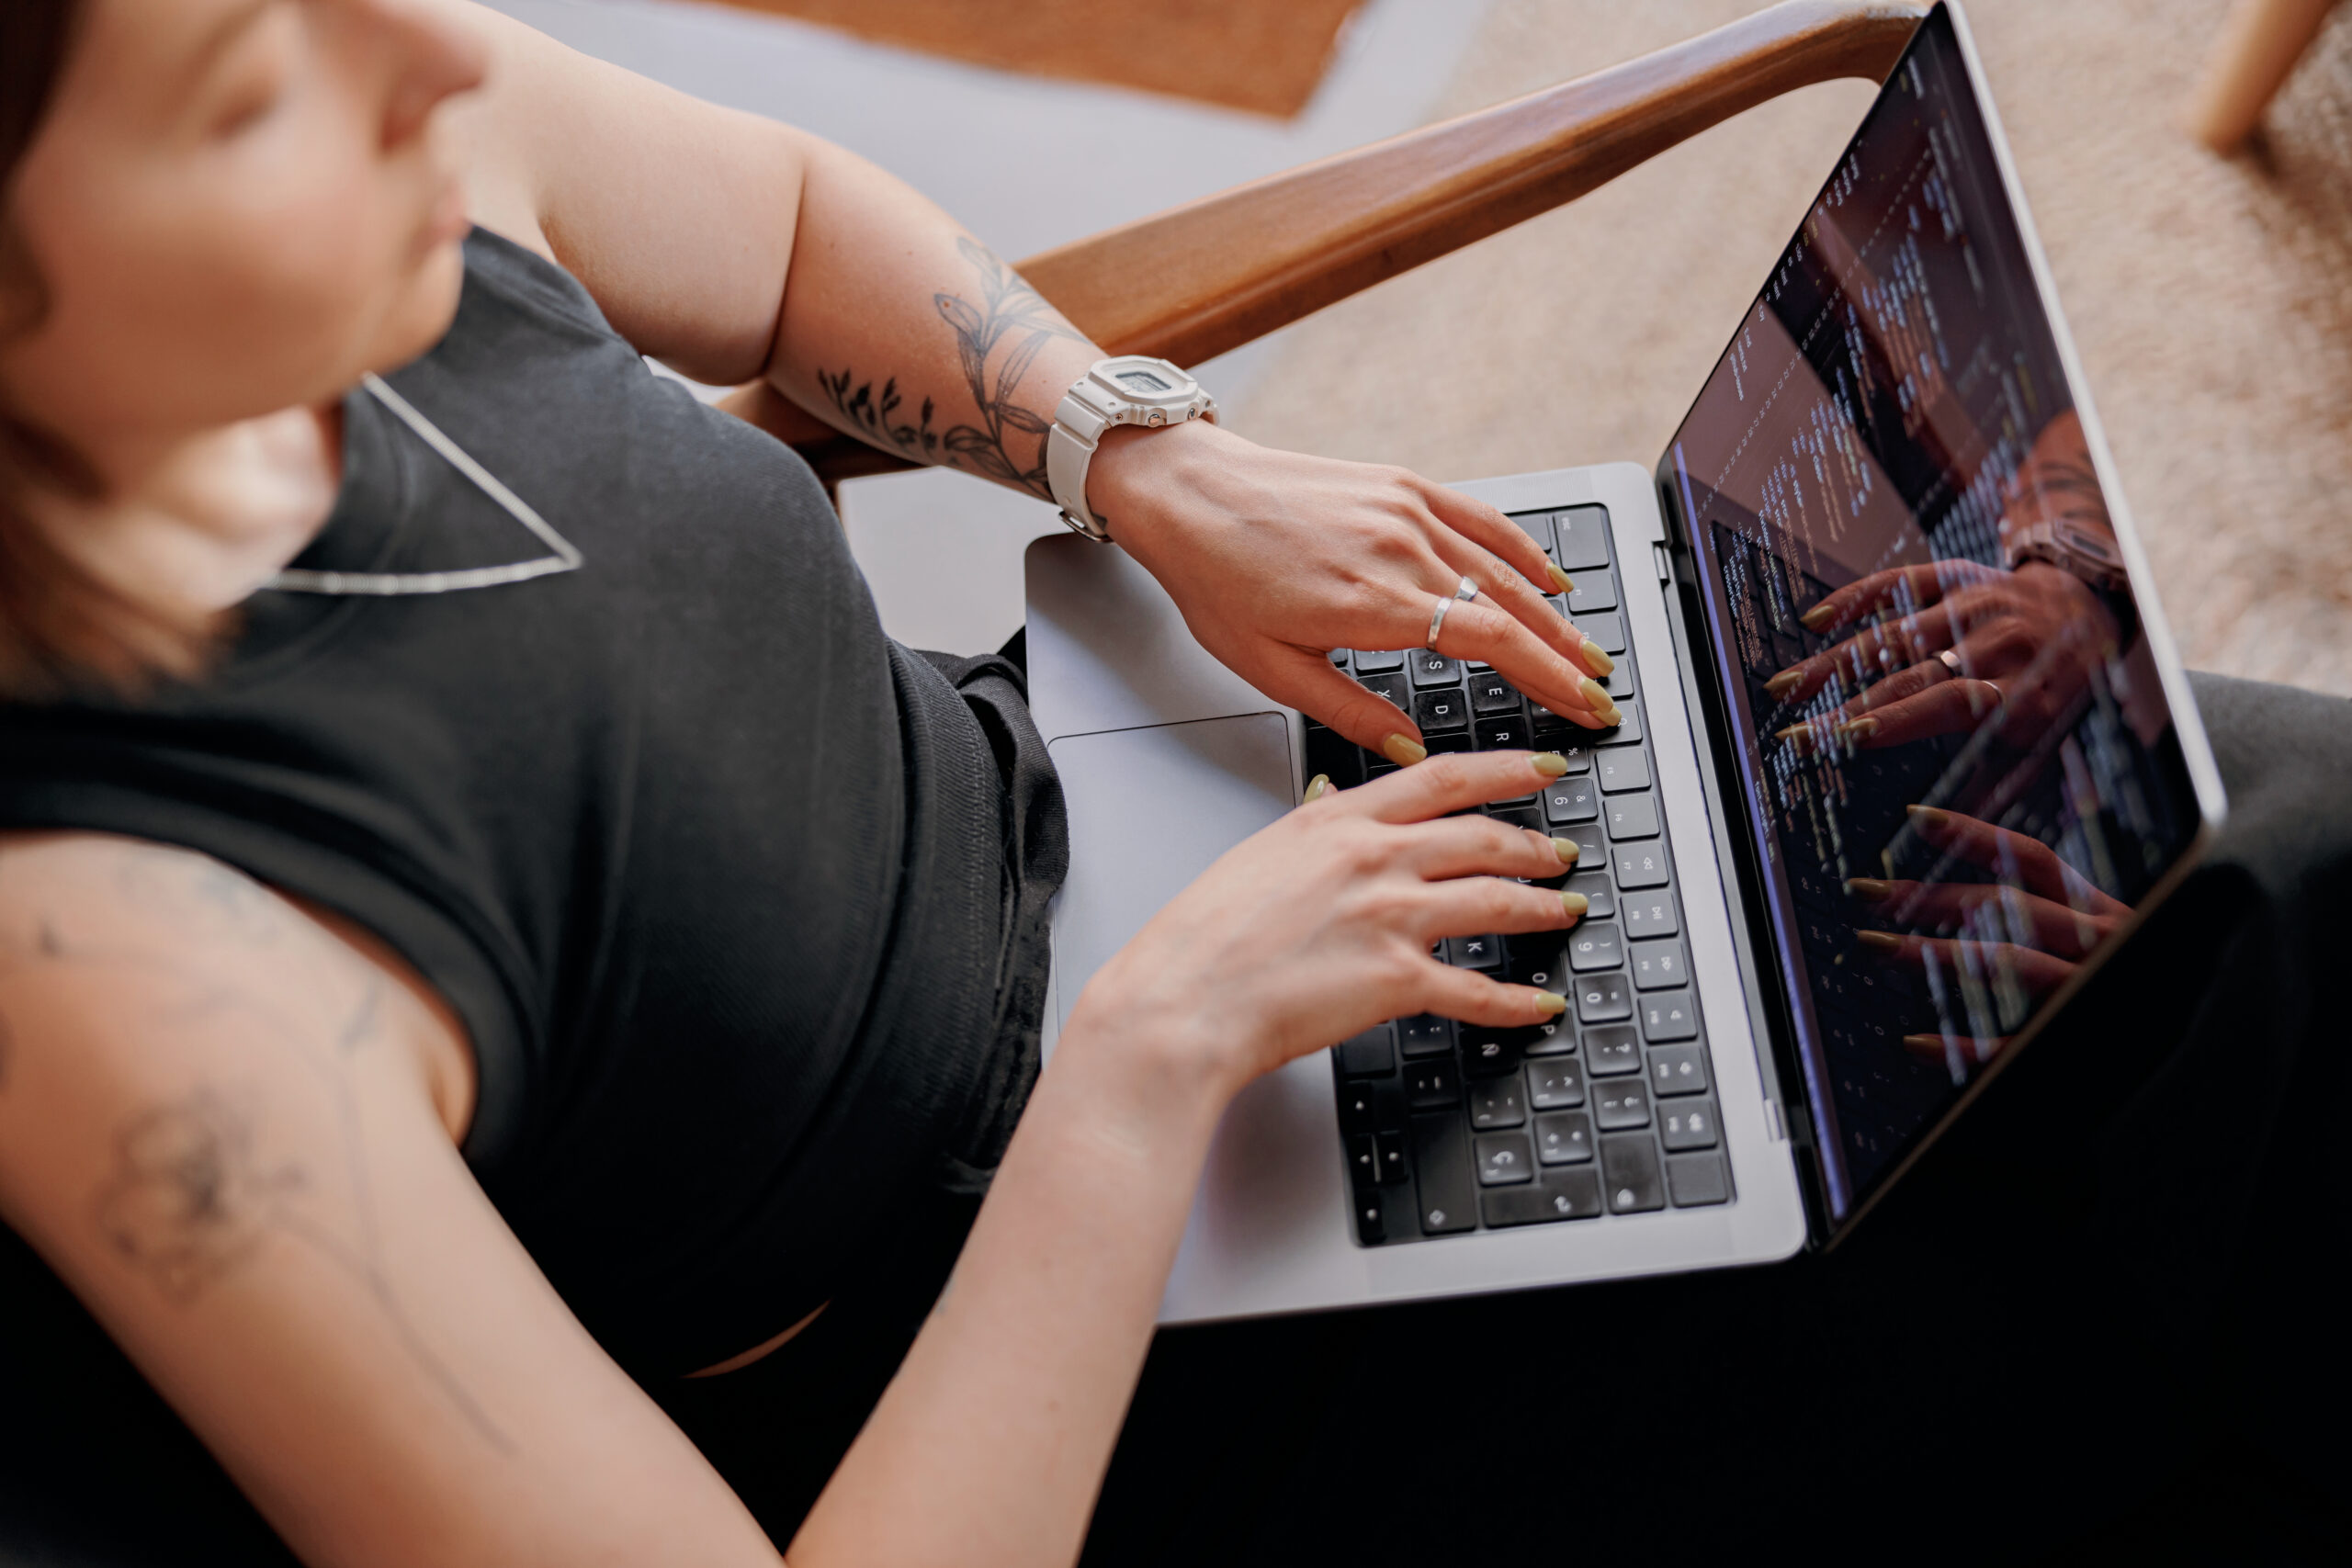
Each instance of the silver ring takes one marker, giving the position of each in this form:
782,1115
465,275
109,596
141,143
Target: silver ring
1951,662
1437,621
1467,591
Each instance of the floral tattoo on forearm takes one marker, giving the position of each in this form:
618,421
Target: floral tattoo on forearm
1008,444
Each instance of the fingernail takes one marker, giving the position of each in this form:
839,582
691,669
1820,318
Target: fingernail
1561,581
1551,764
1869,888
1315,787
1857,729
1610,717
1576,904
1597,659
1820,616
1403,751
1551,1003
1596,695
1880,942
1569,849
1780,685
1930,815
1923,1042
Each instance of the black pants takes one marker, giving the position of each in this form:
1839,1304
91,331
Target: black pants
2096,1318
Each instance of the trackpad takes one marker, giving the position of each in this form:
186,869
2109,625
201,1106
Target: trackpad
1150,809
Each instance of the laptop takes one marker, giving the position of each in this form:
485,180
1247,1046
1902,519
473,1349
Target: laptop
1827,907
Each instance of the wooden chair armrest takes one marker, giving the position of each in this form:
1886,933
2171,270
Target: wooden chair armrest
1210,275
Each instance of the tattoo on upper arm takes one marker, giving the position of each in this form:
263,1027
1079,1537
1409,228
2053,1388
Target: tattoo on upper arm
1008,444
193,1193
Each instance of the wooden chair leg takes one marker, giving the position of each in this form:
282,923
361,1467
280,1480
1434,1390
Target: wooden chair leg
2258,50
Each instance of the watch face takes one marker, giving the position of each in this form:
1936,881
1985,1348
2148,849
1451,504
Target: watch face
1142,382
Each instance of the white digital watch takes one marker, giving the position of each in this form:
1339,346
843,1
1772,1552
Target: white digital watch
1129,390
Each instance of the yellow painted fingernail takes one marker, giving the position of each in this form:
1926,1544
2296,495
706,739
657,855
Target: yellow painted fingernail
1880,942
1561,581
1597,659
1780,685
1575,903
1551,1003
1930,816
1869,888
1857,728
1610,717
1551,764
1817,617
1315,787
1568,849
1403,751
1596,695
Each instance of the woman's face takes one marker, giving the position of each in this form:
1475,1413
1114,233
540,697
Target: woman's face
237,207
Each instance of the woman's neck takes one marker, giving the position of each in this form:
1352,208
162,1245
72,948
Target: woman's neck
192,524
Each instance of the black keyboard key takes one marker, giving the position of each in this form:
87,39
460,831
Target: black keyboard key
1439,745
1612,1050
1600,892
1553,1195
1498,1103
1538,960
1367,1055
1432,1083
1594,947
1619,683
1537,526
1379,661
1620,1103
1328,752
1488,1053
1659,966
1502,732
1631,817
1603,998
1592,845
1628,730
1620,768
1391,685
1595,589
1389,1150
1639,865
1434,669
1569,801
1448,1195
1696,1180
1584,539
1630,1175
1474,952
1684,1125
1554,1037
1490,693
1556,1084
1564,1138
1608,630
1649,915
1441,711
1370,1230
1670,1016
1677,1069
1425,1034
1363,1161
1359,1106
1502,1159
1525,816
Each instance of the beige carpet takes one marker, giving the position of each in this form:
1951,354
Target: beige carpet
2211,301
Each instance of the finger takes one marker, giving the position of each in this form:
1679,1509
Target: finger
1902,587
2035,973
1477,629
1307,682
2018,857
1454,781
1471,998
1479,905
1486,527
1941,709
1483,846
1512,594
2030,917
1871,653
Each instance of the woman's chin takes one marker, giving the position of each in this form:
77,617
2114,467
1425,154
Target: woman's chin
427,307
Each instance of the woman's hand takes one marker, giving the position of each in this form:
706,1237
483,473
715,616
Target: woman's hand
1276,558
1322,924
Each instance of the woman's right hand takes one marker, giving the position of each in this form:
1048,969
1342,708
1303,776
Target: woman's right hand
1323,923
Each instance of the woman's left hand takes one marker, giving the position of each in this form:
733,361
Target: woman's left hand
1276,558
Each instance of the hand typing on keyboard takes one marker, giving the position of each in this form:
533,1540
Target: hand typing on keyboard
1325,922
1276,557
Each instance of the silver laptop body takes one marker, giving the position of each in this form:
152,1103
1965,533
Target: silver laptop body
1167,760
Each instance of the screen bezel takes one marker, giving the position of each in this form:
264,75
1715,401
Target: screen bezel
1758,932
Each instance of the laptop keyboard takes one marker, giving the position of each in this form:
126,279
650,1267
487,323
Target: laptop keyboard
1608,1110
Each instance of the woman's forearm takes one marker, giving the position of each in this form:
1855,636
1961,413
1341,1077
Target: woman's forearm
901,328
992,1442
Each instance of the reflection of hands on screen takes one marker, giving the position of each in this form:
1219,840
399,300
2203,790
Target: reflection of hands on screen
2016,939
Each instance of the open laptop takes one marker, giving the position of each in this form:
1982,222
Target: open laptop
1809,945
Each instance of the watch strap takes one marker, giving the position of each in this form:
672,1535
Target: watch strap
1070,453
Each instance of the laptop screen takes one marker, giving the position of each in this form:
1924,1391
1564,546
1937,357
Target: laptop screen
1961,773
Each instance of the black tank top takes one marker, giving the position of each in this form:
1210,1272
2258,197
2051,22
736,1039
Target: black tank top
741,903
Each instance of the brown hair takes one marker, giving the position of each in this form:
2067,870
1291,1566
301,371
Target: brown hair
56,620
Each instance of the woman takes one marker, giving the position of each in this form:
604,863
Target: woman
493,940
